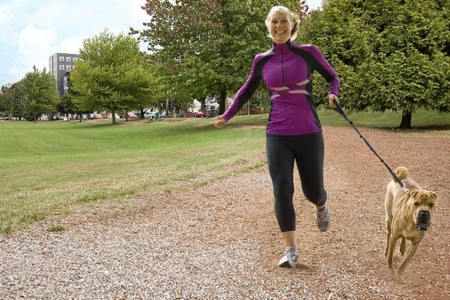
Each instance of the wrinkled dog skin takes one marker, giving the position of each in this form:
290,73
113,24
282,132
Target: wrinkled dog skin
407,217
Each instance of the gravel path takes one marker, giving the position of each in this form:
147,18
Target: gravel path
221,241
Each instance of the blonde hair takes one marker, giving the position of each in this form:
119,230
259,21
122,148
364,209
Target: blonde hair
293,18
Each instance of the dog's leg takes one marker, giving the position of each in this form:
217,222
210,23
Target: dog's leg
388,203
391,247
403,246
409,255
388,235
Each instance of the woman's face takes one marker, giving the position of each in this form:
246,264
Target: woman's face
280,27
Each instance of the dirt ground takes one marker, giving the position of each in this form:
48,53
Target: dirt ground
348,261
355,180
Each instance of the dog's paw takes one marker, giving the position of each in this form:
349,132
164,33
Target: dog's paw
399,274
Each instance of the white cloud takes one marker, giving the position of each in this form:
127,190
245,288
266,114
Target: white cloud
33,40
32,48
71,45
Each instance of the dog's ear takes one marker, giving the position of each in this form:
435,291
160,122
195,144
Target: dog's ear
432,194
414,193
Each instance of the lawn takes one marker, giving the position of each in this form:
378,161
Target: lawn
55,168
50,168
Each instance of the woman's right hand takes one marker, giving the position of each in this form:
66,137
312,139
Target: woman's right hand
220,121
331,98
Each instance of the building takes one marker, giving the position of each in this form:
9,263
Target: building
60,65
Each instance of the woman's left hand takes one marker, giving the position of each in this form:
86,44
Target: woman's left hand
220,121
331,98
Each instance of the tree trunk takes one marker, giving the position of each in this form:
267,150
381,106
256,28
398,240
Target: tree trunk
406,120
113,116
222,101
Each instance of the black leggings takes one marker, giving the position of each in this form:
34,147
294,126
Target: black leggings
308,152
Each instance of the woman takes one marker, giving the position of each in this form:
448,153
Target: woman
293,131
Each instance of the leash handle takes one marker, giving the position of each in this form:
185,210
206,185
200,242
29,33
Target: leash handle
342,113
339,108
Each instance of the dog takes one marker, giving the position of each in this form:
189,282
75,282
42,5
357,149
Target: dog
408,217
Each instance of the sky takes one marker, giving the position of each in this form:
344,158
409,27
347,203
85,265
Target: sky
33,30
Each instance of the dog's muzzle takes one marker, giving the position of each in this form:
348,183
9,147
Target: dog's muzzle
423,220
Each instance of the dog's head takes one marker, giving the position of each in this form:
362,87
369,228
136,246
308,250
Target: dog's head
422,205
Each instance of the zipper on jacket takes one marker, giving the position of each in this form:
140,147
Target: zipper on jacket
282,64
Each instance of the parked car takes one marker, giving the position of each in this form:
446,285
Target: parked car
116,115
201,114
95,116
130,115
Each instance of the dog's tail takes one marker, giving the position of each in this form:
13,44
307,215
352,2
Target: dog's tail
401,173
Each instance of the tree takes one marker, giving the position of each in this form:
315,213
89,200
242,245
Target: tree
67,104
389,54
6,101
111,74
206,47
17,108
38,93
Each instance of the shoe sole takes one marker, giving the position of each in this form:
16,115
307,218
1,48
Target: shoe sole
285,265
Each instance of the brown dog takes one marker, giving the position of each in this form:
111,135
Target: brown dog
407,217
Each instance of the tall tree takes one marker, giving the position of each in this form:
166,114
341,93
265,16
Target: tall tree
38,93
6,101
17,109
390,54
111,74
206,47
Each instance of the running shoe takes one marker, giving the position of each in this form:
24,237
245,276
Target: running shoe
290,258
323,219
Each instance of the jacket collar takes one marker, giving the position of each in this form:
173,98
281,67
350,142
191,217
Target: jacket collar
286,45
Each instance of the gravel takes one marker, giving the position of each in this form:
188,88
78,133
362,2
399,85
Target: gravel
177,248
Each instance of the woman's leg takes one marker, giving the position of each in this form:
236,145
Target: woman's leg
280,159
289,238
310,159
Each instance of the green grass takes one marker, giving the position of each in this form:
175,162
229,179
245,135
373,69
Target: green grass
55,168
421,120
49,168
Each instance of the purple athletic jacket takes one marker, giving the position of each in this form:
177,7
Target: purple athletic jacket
287,70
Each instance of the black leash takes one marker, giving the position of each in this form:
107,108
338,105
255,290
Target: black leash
341,112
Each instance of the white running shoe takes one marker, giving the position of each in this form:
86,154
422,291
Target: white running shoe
290,258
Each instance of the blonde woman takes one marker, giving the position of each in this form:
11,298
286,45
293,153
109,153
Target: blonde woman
293,131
